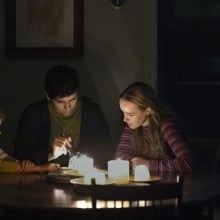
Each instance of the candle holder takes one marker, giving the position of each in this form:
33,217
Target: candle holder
99,177
141,173
118,171
84,164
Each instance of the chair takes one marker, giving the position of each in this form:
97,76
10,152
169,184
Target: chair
206,152
156,201
213,207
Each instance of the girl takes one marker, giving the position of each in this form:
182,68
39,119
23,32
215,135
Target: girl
151,136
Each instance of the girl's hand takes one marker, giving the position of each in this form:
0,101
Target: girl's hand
135,161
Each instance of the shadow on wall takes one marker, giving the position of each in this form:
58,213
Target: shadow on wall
100,84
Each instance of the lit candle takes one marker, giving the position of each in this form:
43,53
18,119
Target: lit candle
73,162
99,177
141,173
118,170
84,165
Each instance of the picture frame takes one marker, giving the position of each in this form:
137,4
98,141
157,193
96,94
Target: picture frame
44,28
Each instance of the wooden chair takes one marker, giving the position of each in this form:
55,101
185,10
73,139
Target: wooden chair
159,200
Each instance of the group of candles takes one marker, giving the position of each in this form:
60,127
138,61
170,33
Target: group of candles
118,171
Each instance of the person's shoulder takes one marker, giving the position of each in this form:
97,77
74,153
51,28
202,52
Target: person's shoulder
37,106
172,124
87,101
89,107
168,121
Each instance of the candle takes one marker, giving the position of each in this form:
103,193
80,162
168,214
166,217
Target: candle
141,173
118,170
84,165
99,177
72,162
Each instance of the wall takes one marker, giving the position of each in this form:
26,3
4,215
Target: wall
189,58
119,48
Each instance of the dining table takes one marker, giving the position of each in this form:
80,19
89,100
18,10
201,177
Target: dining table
55,192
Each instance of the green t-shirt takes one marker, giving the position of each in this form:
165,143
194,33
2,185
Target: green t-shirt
65,126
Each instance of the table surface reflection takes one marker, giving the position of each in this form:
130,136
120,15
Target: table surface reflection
35,191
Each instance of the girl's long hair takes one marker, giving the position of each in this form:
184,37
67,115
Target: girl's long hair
152,144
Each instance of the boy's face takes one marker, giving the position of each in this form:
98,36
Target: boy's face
65,105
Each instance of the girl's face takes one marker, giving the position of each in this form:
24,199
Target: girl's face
133,116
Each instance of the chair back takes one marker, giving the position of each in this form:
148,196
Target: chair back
160,200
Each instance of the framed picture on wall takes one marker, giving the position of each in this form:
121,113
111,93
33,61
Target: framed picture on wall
44,28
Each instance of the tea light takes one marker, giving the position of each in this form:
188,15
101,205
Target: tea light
84,165
99,177
118,170
141,173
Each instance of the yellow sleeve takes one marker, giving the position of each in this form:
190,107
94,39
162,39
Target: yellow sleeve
8,163
8,166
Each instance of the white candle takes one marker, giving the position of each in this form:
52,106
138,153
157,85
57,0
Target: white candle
88,176
141,173
118,170
73,162
84,165
99,177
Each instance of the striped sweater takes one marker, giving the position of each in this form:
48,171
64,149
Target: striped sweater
181,161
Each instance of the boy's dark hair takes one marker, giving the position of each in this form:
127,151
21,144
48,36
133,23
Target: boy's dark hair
61,81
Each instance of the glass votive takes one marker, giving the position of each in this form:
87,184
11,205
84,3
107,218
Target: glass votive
97,175
100,178
84,165
118,171
141,173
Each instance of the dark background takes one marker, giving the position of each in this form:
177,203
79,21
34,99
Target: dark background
189,63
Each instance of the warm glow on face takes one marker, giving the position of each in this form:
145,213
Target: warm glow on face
133,116
65,105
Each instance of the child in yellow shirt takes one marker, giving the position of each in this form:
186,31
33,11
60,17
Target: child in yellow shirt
12,165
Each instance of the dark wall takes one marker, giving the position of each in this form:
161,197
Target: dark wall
119,47
189,62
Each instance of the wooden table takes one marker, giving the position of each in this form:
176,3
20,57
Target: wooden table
35,192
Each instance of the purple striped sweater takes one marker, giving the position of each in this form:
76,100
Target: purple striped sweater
181,161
